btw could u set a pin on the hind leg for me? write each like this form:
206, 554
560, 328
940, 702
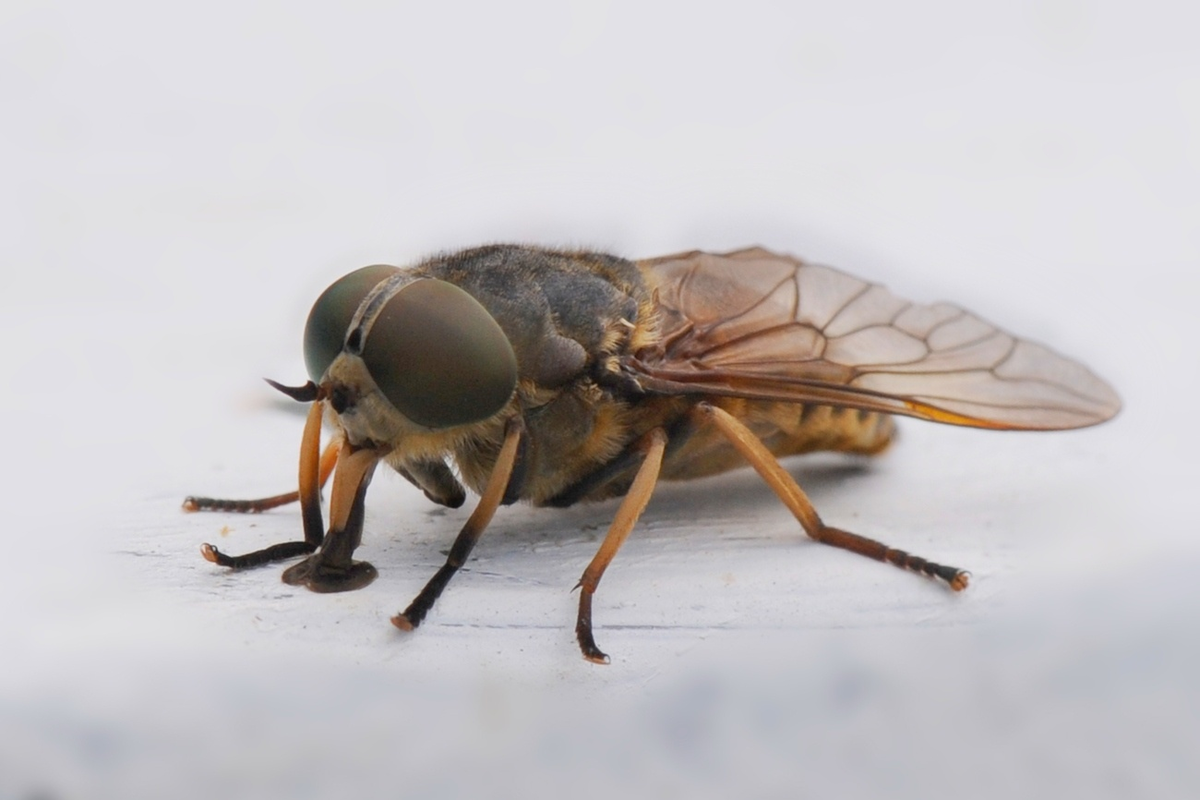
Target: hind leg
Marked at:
761, 458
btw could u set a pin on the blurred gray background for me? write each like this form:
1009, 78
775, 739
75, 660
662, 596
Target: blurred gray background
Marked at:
177, 185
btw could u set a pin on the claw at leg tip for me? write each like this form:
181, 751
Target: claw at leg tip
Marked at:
209, 552
961, 581
190, 504
402, 622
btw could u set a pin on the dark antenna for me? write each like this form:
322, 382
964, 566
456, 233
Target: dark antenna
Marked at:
303, 394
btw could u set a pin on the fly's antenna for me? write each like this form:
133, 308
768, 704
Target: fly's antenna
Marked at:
303, 394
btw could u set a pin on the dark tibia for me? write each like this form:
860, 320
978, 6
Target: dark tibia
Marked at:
436, 480
239, 506
314, 469
332, 569
475, 525
328, 461
956, 578
276, 552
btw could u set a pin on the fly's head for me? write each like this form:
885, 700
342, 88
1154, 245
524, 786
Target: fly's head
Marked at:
401, 358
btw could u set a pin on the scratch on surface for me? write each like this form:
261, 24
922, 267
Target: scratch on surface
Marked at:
139, 553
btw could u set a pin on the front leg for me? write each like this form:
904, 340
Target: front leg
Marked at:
261, 504
331, 569
313, 471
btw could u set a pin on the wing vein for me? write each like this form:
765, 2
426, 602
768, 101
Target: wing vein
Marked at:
841, 309
777, 347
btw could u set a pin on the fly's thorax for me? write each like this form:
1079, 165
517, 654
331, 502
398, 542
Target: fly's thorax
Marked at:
567, 313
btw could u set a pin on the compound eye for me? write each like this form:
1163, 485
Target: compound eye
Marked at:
439, 357
331, 314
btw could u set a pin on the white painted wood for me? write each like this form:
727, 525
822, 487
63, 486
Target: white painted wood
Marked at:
180, 184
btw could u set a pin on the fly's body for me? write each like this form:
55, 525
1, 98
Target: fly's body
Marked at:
574, 318
556, 377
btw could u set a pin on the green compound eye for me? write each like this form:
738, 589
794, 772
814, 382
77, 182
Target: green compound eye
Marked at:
331, 315
439, 357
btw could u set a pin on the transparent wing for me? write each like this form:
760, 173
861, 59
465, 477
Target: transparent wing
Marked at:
753, 323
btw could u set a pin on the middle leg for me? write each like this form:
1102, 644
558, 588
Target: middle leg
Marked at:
493, 495
652, 446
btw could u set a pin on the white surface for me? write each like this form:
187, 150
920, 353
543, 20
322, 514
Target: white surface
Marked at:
180, 184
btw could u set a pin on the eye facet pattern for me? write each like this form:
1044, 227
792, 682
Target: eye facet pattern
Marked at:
331, 315
439, 357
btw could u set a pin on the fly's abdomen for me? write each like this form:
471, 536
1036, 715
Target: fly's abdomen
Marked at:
786, 429
809, 428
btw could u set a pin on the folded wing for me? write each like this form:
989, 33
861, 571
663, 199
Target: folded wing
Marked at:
758, 324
